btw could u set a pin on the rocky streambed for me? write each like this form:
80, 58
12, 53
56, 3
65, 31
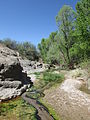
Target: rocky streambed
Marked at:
68, 100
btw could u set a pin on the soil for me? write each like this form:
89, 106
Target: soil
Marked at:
68, 101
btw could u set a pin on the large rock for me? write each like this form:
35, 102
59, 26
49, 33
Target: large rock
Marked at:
13, 81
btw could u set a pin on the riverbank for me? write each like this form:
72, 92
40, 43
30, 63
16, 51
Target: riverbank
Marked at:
52, 98
41, 112
67, 99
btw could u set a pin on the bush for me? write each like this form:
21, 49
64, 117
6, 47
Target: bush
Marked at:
25, 49
52, 77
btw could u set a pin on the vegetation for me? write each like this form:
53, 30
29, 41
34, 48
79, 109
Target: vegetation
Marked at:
25, 49
17, 110
52, 77
47, 79
65, 21
67, 46
51, 110
70, 44
81, 49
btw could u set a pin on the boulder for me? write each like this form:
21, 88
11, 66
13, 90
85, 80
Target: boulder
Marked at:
13, 81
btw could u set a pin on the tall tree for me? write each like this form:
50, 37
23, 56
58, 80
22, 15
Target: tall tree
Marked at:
83, 19
83, 27
65, 21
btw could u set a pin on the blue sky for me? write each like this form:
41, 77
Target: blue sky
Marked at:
29, 20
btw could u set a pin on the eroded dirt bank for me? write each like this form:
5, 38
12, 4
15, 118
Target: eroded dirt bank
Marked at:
69, 102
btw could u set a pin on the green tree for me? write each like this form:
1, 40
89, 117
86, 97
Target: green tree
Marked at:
43, 48
53, 56
46, 47
83, 28
83, 19
66, 25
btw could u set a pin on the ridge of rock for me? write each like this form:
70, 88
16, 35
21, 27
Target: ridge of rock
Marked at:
13, 81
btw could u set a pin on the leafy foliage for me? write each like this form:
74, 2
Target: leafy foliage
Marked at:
52, 77
48, 49
83, 27
71, 43
65, 21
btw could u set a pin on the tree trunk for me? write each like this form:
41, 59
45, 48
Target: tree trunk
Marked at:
67, 50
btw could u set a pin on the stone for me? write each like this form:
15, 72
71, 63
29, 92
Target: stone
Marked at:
13, 81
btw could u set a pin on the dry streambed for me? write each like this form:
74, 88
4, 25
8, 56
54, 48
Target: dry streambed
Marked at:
69, 102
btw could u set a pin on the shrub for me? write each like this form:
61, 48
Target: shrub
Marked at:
52, 77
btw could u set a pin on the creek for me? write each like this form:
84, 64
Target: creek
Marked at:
42, 112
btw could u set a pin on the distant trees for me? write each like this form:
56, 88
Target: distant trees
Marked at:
28, 50
25, 49
12, 44
49, 49
71, 43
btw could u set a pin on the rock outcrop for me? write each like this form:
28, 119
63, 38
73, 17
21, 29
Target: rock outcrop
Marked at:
31, 66
13, 81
